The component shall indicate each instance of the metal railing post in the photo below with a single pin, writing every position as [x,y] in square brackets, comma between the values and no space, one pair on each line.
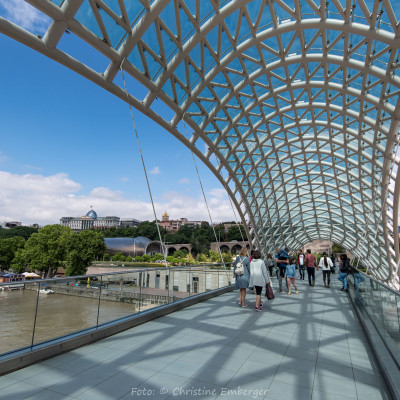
[34,321]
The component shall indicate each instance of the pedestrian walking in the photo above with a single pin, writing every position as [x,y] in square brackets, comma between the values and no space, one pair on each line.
[300,263]
[251,258]
[259,277]
[242,263]
[290,275]
[281,259]
[326,264]
[270,264]
[310,262]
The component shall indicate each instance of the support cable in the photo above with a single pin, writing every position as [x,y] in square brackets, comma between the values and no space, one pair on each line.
[233,209]
[204,196]
[163,247]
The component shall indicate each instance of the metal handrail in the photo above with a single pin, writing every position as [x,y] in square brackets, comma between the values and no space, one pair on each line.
[116,276]
[110,273]
[397,293]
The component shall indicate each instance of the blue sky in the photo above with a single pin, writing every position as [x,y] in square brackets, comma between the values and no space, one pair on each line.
[67,144]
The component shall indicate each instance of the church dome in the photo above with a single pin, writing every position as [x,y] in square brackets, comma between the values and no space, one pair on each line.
[92,214]
[165,214]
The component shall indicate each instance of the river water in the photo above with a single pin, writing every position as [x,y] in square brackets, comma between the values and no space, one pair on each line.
[57,315]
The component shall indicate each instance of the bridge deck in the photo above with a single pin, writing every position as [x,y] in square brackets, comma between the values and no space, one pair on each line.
[305,346]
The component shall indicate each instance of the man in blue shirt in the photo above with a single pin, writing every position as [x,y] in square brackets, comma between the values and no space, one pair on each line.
[281,259]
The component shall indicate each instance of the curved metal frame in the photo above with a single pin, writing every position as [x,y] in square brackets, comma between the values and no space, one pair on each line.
[297,102]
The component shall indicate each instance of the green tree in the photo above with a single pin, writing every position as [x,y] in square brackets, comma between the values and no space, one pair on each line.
[118,257]
[200,244]
[111,232]
[190,259]
[149,230]
[82,249]
[146,257]
[180,253]
[106,257]
[8,249]
[157,257]
[220,233]
[227,257]
[201,257]
[236,232]
[23,231]
[173,260]
[175,238]
[186,232]
[215,256]
[19,264]
[337,248]
[45,250]
[120,232]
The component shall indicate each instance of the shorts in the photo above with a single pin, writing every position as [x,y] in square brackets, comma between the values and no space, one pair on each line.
[258,290]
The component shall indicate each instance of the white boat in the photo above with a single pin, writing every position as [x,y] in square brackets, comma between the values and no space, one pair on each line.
[46,291]
[15,286]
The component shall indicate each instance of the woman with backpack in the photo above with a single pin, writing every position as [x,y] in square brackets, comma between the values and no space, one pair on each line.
[241,271]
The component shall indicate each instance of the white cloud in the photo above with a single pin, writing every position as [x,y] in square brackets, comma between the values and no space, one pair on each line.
[124,179]
[219,193]
[44,200]
[194,208]
[26,16]
[155,171]
[184,181]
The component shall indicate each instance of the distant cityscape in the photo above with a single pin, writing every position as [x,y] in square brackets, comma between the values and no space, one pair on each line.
[92,221]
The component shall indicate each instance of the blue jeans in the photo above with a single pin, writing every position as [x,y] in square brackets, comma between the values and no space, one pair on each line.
[343,277]
[281,275]
[358,278]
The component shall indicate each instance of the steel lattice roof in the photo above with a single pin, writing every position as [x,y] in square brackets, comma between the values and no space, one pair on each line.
[296,101]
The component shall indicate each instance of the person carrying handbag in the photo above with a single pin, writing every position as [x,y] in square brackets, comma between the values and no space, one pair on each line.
[259,276]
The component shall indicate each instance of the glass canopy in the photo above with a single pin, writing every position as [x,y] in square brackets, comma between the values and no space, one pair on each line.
[296,102]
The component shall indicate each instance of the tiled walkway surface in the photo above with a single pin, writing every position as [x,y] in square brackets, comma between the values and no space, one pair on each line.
[305,346]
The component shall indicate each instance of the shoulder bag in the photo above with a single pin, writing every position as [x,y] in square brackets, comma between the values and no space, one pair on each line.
[269,293]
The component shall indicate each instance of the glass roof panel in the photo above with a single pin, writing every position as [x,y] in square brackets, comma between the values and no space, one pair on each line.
[280,94]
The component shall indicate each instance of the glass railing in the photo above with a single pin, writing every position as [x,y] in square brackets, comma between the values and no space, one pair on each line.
[37,311]
[382,304]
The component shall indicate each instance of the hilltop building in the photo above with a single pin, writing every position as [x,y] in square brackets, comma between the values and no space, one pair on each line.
[91,220]
[173,225]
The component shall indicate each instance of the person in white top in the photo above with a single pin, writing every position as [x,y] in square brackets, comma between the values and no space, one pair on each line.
[300,263]
[259,276]
[326,263]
